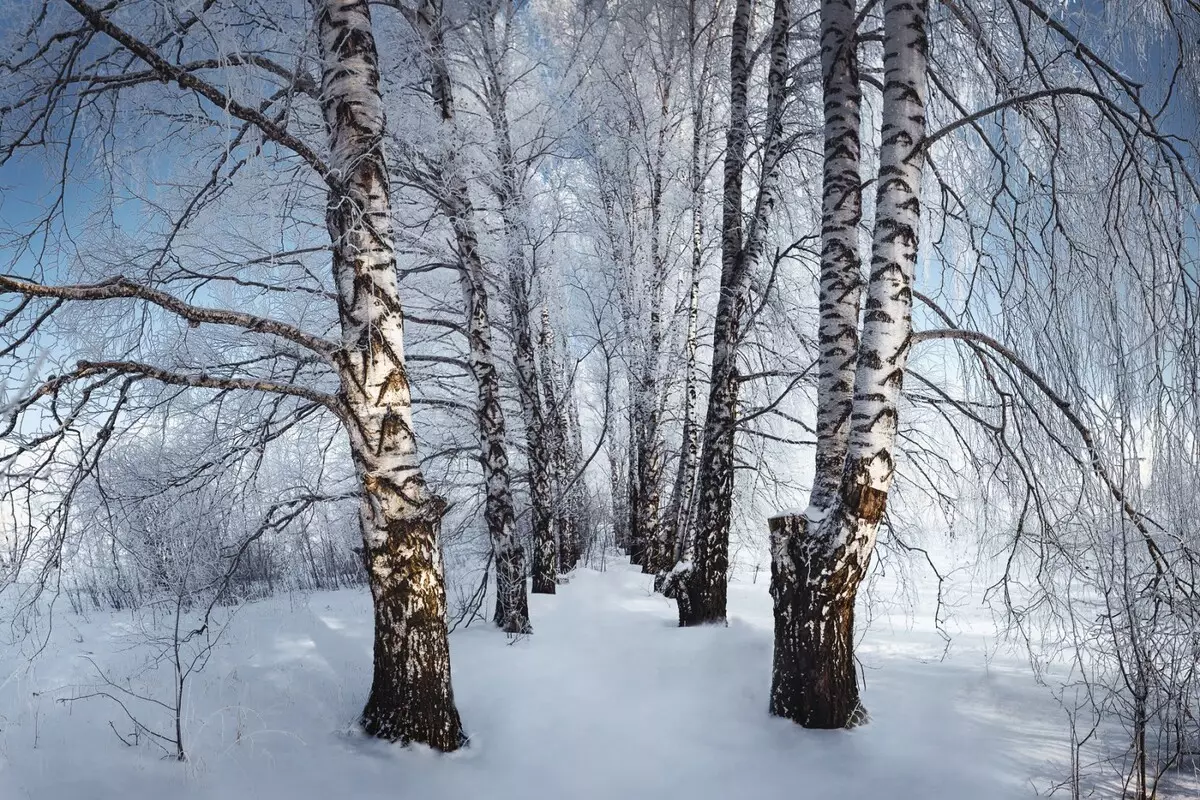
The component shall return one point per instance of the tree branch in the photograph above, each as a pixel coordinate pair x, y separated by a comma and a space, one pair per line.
120, 288
976, 339
185, 79
202, 381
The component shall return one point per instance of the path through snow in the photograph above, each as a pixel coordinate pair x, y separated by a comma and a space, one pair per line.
607, 700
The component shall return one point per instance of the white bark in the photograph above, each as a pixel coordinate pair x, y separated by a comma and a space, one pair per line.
411, 698
650, 459
819, 558
683, 494
887, 319
841, 264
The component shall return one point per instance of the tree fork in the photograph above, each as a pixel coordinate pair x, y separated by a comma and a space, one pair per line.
818, 559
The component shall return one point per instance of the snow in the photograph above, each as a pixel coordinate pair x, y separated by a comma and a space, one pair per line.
607, 700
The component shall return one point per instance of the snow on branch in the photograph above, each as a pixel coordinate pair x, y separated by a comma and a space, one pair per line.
979, 341
181, 75
120, 288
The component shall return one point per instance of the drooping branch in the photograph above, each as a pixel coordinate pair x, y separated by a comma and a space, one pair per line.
1104, 103
978, 341
119, 288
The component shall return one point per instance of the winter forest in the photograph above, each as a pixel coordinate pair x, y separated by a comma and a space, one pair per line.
599, 399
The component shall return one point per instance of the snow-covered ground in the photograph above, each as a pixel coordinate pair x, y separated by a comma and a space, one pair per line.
608, 699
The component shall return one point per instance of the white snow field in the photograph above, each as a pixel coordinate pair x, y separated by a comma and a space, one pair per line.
608, 699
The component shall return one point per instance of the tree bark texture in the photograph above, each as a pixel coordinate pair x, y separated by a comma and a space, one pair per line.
541, 471
512, 602
841, 265
510, 195
411, 699
679, 517
705, 578
650, 460
820, 558
570, 539
813, 676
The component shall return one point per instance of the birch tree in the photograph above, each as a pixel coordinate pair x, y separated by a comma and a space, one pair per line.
454, 198
563, 450
677, 527
699, 584
648, 397
1033, 396
496, 28
819, 558
360, 378
410, 697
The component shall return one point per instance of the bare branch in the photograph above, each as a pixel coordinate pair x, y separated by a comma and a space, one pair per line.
123, 288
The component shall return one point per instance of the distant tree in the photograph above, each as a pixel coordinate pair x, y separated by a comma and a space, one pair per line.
453, 197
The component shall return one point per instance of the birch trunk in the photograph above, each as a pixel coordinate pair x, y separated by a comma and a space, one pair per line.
633, 484
558, 436
841, 265
702, 593
613, 202
520, 275
819, 559
512, 602
541, 468
617, 472
679, 516
570, 540
411, 698
650, 461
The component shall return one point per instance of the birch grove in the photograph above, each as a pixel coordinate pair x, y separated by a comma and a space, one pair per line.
454, 302
495, 34
512, 605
